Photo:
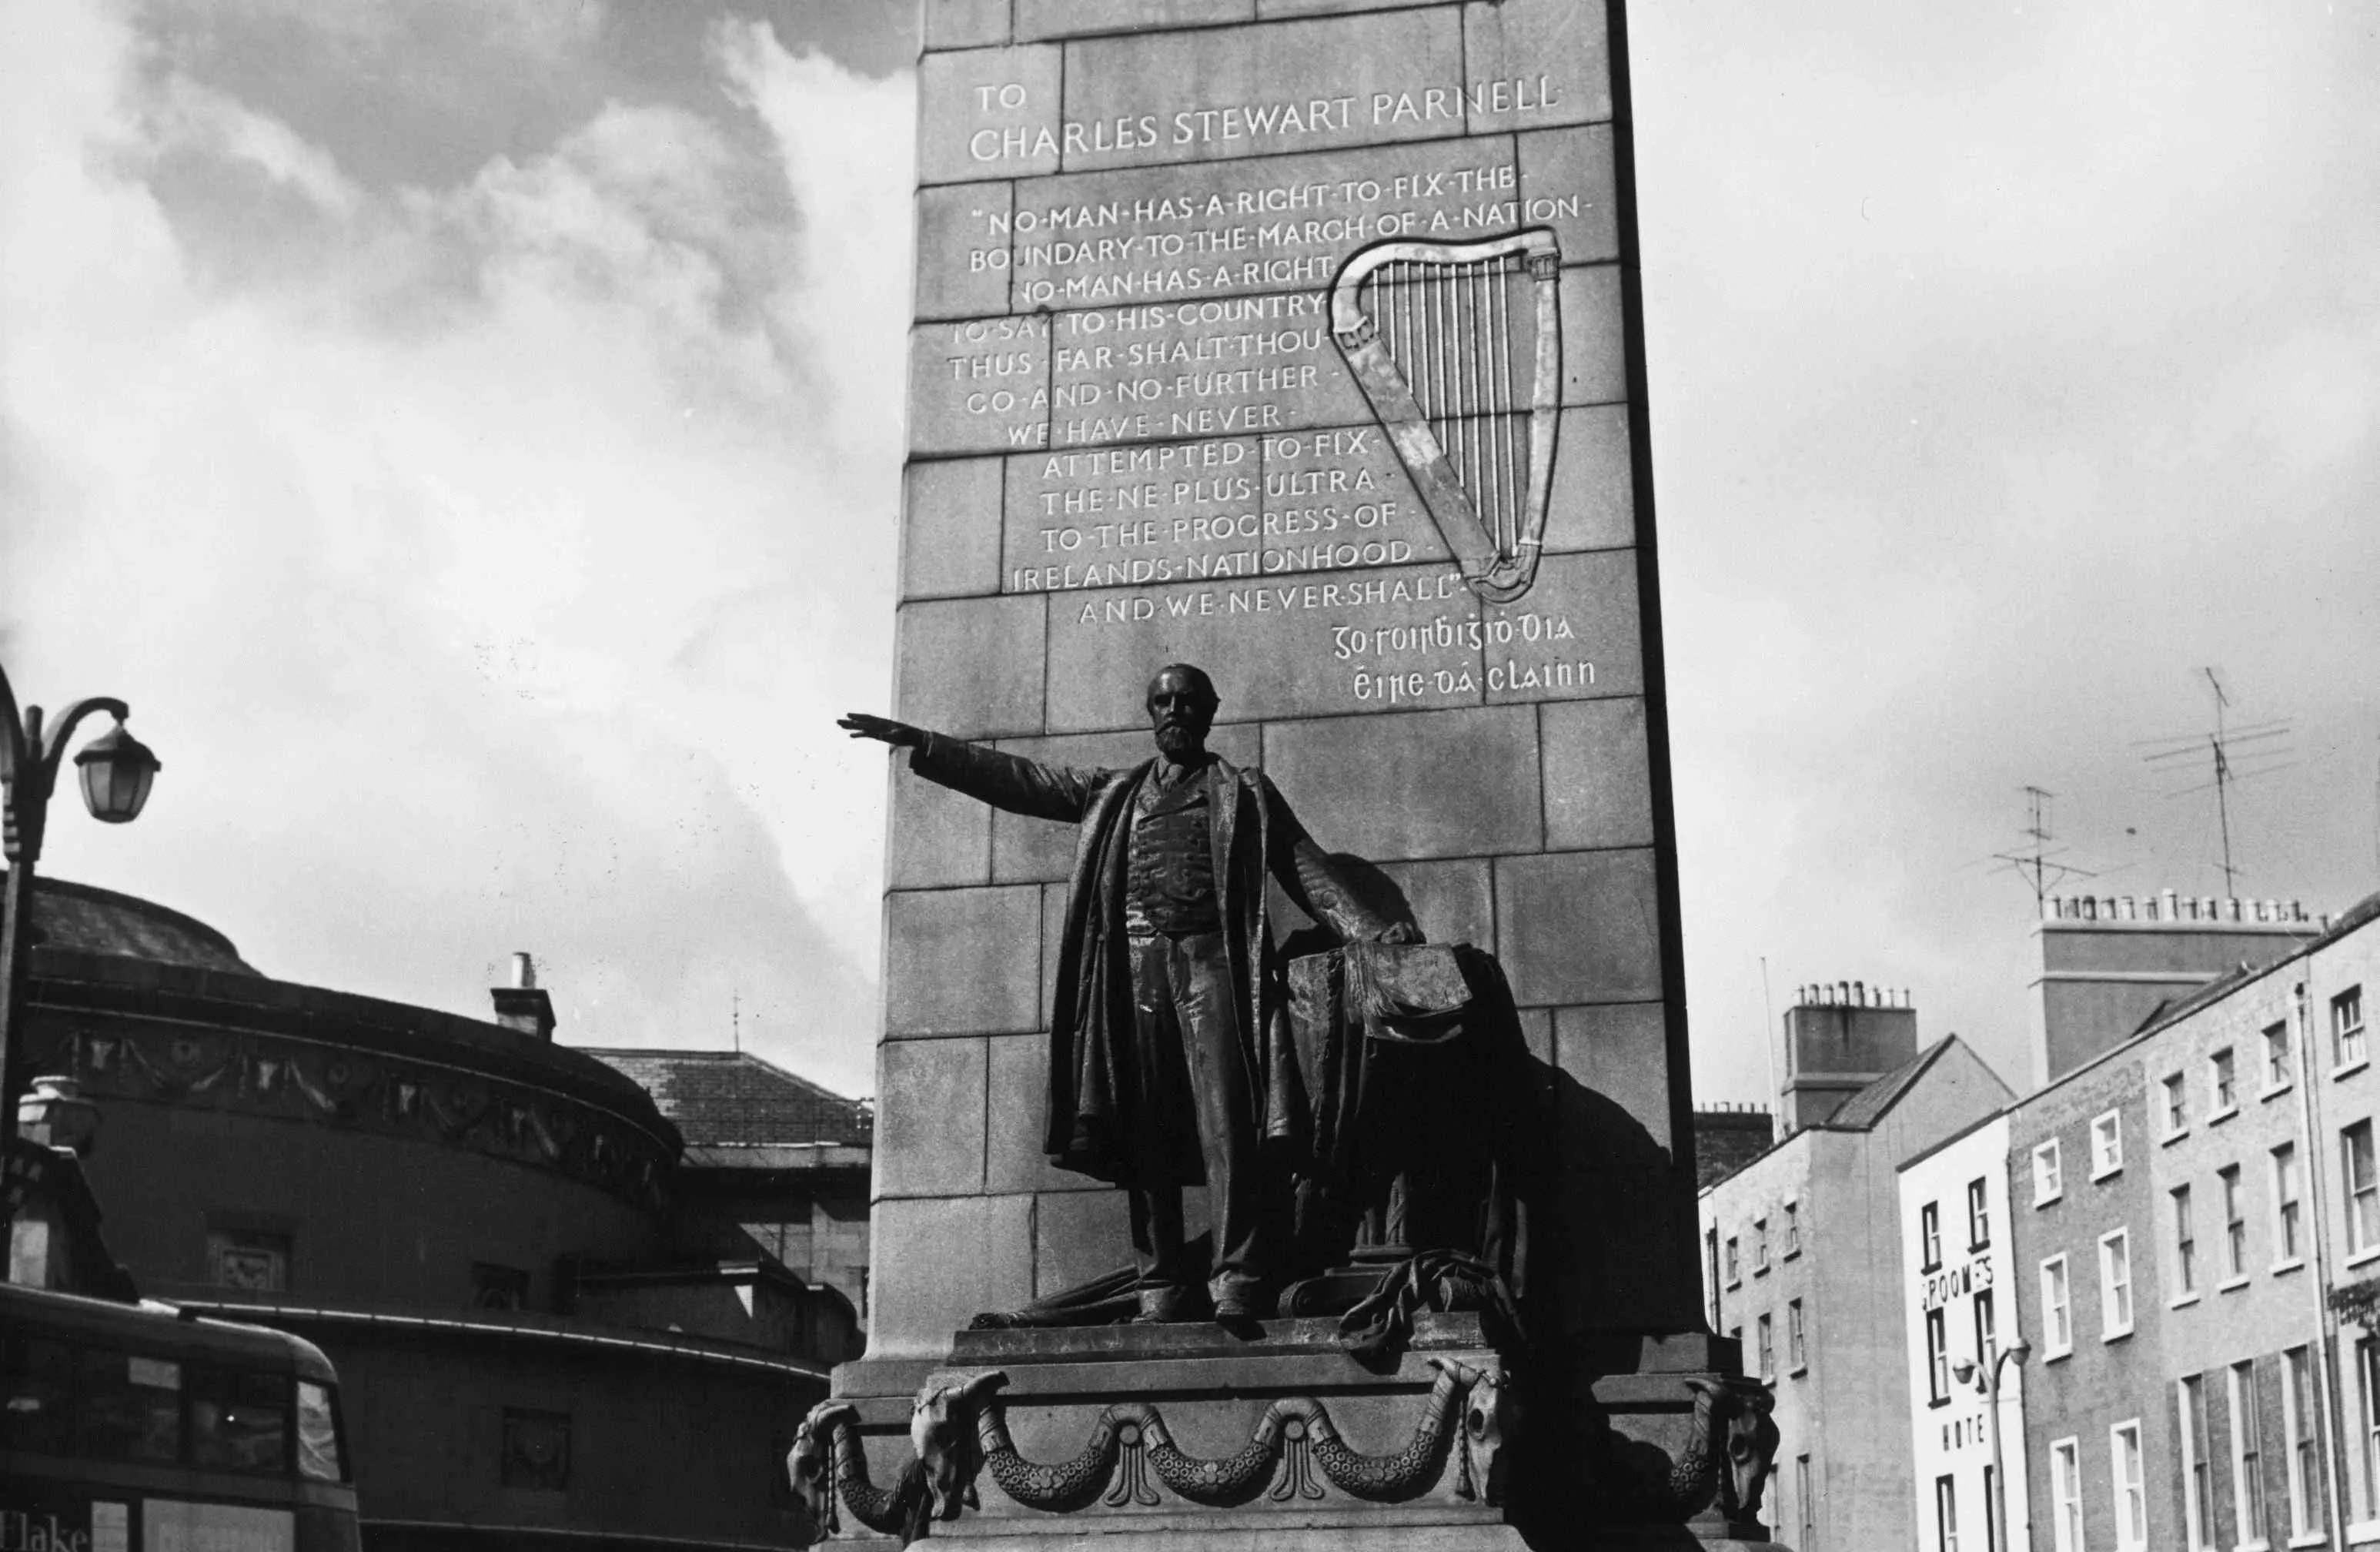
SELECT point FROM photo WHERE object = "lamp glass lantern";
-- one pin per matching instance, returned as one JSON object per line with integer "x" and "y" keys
{"x": 117, "y": 770}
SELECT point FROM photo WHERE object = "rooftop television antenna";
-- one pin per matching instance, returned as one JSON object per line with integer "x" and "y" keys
{"x": 2038, "y": 866}
{"x": 2257, "y": 755}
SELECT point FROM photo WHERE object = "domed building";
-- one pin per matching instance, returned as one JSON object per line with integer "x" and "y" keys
{"x": 546, "y": 1332}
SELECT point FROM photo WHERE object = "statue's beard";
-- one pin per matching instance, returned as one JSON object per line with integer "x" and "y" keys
{"x": 1178, "y": 742}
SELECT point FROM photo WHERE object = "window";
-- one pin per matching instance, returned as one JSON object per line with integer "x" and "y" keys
{"x": 499, "y": 1288}
{"x": 239, "y": 1419}
{"x": 2185, "y": 1245}
{"x": 2362, "y": 1188}
{"x": 2177, "y": 1106}
{"x": 1764, "y": 1330}
{"x": 2247, "y": 1455}
{"x": 1759, "y": 1246}
{"x": 128, "y": 1407}
{"x": 537, "y": 1449}
{"x": 2056, "y": 1312}
{"x": 2297, "y": 1426}
{"x": 1797, "y": 1334}
{"x": 2347, "y": 1027}
{"x": 2107, "y": 1146}
{"x": 2286, "y": 1207}
{"x": 1734, "y": 1268}
{"x": 1929, "y": 1236}
{"x": 1987, "y": 1332}
{"x": 1793, "y": 1230}
{"x": 2235, "y": 1223}
{"x": 2130, "y": 1485}
{"x": 322, "y": 1451}
{"x": 2048, "y": 1179}
{"x": 1937, "y": 1357}
{"x": 1979, "y": 1218}
{"x": 2222, "y": 1082}
{"x": 2277, "y": 1057}
{"x": 1946, "y": 1513}
{"x": 1802, "y": 1495}
{"x": 2066, "y": 1494}
{"x": 2367, "y": 1390}
{"x": 2114, "y": 1285}
{"x": 2197, "y": 1466}
{"x": 250, "y": 1261}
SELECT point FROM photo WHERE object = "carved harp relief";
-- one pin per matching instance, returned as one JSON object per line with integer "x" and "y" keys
{"x": 1457, "y": 347}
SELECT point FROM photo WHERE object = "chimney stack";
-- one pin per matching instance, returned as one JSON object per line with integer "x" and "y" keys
{"x": 524, "y": 1004}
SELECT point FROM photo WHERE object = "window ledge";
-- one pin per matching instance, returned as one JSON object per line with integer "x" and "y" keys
{"x": 2363, "y": 1532}
{"x": 1797, "y": 1371}
{"x": 2182, "y": 1301}
{"x": 2115, "y": 1336}
{"x": 1760, "y": 1271}
{"x": 2368, "y": 1253}
{"x": 2059, "y": 1195}
{"x": 2310, "y": 1538}
{"x": 2296, "y": 1265}
{"x": 2233, "y": 1285}
{"x": 2259, "y": 1545}
{"x": 2349, "y": 1069}
{"x": 2169, "y": 1138}
{"x": 1793, "y": 1254}
{"x": 2108, "y": 1173}
{"x": 2226, "y": 1113}
{"x": 2057, "y": 1356}
{"x": 2275, "y": 1092}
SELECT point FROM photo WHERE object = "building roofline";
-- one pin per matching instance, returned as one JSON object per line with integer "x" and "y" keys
{"x": 1961, "y": 1135}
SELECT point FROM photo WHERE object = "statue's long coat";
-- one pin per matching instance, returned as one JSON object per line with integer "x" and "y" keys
{"x": 1091, "y": 1035}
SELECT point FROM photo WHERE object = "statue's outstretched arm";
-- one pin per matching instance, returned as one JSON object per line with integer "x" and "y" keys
{"x": 1010, "y": 781}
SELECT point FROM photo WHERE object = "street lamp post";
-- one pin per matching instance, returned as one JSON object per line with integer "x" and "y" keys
{"x": 1987, "y": 1381}
{"x": 115, "y": 769}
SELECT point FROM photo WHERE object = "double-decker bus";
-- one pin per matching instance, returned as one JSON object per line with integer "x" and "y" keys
{"x": 138, "y": 1428}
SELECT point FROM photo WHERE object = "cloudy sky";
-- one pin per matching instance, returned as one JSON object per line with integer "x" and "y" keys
{"x": 468, "y": 432}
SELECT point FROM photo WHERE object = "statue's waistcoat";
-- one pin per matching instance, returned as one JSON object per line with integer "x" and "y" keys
{"x": 1170, "y": 864}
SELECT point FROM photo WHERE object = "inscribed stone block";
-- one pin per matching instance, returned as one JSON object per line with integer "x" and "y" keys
{"x": 1419, "y": 785}
{"x": 956, "y": 277}
{"x": 1026, "y": 849}
{"x": 1277, "y": 224}
{"x": 957, "y": 1256}
{"x": 1598, "y": 786}
{"x": 950, "y": 541}
{"x": 1037, "y": 19}
{"x": 1579, "y": 927}
{"x": 1619, "y": 1051}
{"x": 971, "y": 667}
{"x": 955, "y": 24}
{"x": 1310, "y": 645}
{"x": 1593, "y": 505}
{"x": 1019, "y": 1114}
{"x": 1078, "y": 1235}
{"x": 1573, "y": 637}
{"x": 1111, "y": 516}
{"x": 961, "y": 962}
{"x": 1253, "y": 91}
{"x": 935, "y": 838}
{"x": 929, "y": 1118}
{"x": 1567, "y": 181}
{"x": 1218, "y": 367}
{"x": 1552, "y": 54}
{"x": 987, "y": 113}
{"x": 1595, "y": 350}
{"x": 979, "y": 386}
{"x": 1454, "y": 901}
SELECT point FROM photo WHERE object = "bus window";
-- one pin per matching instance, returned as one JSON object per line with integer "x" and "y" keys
{"x": 128, "y": 1408}
{"x": 37, "y": 1378}
{"x": 239, "y": 1419}
{"x": 319, "y": 1455}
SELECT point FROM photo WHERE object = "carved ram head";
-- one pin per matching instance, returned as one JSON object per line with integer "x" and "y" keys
{"x": 1752, "y": 1440}
{"x": 942, "y": 1432}
{"x": 810, "y": 1466}
{"x": 1490, "y": 1426}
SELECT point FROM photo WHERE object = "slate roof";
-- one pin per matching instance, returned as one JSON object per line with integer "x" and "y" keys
{"x": 1864, "y": 1109}
{"x": 735, "y": 1099}
{"x": 80, "y": 918}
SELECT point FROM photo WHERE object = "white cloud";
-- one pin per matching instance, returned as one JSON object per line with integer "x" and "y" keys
{"x": 488, "y": 586}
